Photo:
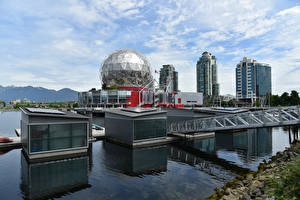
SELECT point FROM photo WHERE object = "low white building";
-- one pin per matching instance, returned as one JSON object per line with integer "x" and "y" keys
{"x": 189, "y": 98}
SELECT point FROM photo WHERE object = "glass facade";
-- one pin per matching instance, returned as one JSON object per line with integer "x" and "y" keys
{"x": 263, "y": 80}
{"x": 168, "y": 78}
{"x": 49, "y": 137}
{"x": 253, "y": 80}
{"x": 101, "y": 97}
{"x": 147, "y": 129}
{"x": 114, "y": 98}
{"x": 207, "y": 77}
{"x": 85, "y": 98}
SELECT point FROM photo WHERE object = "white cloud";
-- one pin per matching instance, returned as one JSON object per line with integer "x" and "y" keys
{"x": 290, "y": 11}
{"x": 23, "y": 78}
{"x": 66, "y": 41}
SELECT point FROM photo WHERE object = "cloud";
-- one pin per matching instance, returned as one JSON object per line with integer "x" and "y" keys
{"x": 290, "y": 11}
{"x": 61, "y": 44}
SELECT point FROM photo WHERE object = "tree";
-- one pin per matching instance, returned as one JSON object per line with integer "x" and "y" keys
{"x": 224, "y": 104}
{"x": 285, "y": 99}
{"x": 275, "y": 100}
{"x": 104, "y": 86}
{"x": 231, "y": 103}
{"x": 294, "y": 98}
{"x": 3, "y": 103}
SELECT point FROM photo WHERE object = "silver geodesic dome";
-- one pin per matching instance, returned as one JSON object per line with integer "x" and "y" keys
{"x": 125, "y": 68}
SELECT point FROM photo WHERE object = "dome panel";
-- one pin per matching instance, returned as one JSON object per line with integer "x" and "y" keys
{"x": 125, "y": 67}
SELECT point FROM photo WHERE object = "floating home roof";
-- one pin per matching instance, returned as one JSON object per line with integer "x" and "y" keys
{"x": 51, "y": 113}
{"x": 136, "y": 112}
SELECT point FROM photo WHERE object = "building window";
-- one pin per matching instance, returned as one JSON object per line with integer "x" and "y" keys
{"x": 57, "y": 136}
{"x": 147, "y": 129}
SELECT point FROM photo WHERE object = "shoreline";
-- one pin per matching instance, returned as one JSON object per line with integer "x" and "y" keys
{"x": 258, "y": 184}
{"x": 9, "y": 109}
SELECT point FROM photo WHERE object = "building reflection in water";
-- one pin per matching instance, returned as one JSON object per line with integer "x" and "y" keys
{"x": 253, "y": 142}
{"x": 135, "y": 162}
{"x": 53, "y": 179}
{"x": 204, "y": 145}
{"x": 249, "y": 144}
{"x": 219, "y": 169}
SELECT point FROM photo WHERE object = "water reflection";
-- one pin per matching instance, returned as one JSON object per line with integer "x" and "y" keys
{"x": 53, "y": 179}
{"x": 250, "y": 143}
{"x": 135, "y": 162}
{"x": 9, "y": 121}
{"x": 211, "y": 165}
{"x": 245, "y": 149}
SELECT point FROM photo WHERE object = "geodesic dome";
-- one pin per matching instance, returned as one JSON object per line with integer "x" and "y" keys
{"x": 125, "y": 68}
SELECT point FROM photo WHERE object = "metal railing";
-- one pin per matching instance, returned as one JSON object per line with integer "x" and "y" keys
{"x": 265, "y": 118}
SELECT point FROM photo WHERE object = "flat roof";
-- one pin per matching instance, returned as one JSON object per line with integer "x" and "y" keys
{"x": 135, "y": 112}
{"x": 231, "y": 110}
{"x": 45, "y": 111}
{"x": 139, "y": 110}
{"x": 51, "y": 113}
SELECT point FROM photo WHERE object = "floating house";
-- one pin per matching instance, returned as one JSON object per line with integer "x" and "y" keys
{"x": 133, "y": 125}
{"x": 52, "y": 133}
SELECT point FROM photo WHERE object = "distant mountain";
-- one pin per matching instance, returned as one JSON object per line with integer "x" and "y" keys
{"x": 37, "y": 94}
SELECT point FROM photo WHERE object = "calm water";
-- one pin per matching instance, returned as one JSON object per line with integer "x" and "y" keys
{"x": 9, "y": 121}
{"x": 185, "y": 170}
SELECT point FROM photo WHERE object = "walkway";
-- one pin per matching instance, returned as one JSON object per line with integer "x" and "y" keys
{"x": 257, "y": 119}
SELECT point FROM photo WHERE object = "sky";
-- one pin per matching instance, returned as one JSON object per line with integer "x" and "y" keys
{"x": 62, "y": 43}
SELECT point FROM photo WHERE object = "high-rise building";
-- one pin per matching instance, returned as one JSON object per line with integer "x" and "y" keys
{"x": 168, "y": 78}
{"x": 253, "y": 80}
{"x": 207, "y": 77}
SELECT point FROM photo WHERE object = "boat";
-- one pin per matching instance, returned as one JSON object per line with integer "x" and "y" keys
{"x": 97, "y": 127}
{"x": 5, "y": 139}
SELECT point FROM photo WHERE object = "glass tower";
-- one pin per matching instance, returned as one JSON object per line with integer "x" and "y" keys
{"x": 168, "y": 78}
{"x": 253, "y": 79}
{"x": 207, "y": 77}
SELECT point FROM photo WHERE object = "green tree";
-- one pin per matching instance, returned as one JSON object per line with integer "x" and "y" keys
{"x": 285, "y": 99}
{"x": 3, "y": 103}
{"x": 294, "y": 98}
{"x": 275, "y": 100}
{"x": 104, "y": 86}
{"x": 231, "y": 103}
{"x": 224, "y": 104}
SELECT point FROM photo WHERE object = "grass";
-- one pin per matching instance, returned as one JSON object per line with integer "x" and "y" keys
{"x": 286, "y": 185}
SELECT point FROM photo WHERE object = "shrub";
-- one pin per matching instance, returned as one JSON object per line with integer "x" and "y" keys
{"x": 287, "y": 185}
